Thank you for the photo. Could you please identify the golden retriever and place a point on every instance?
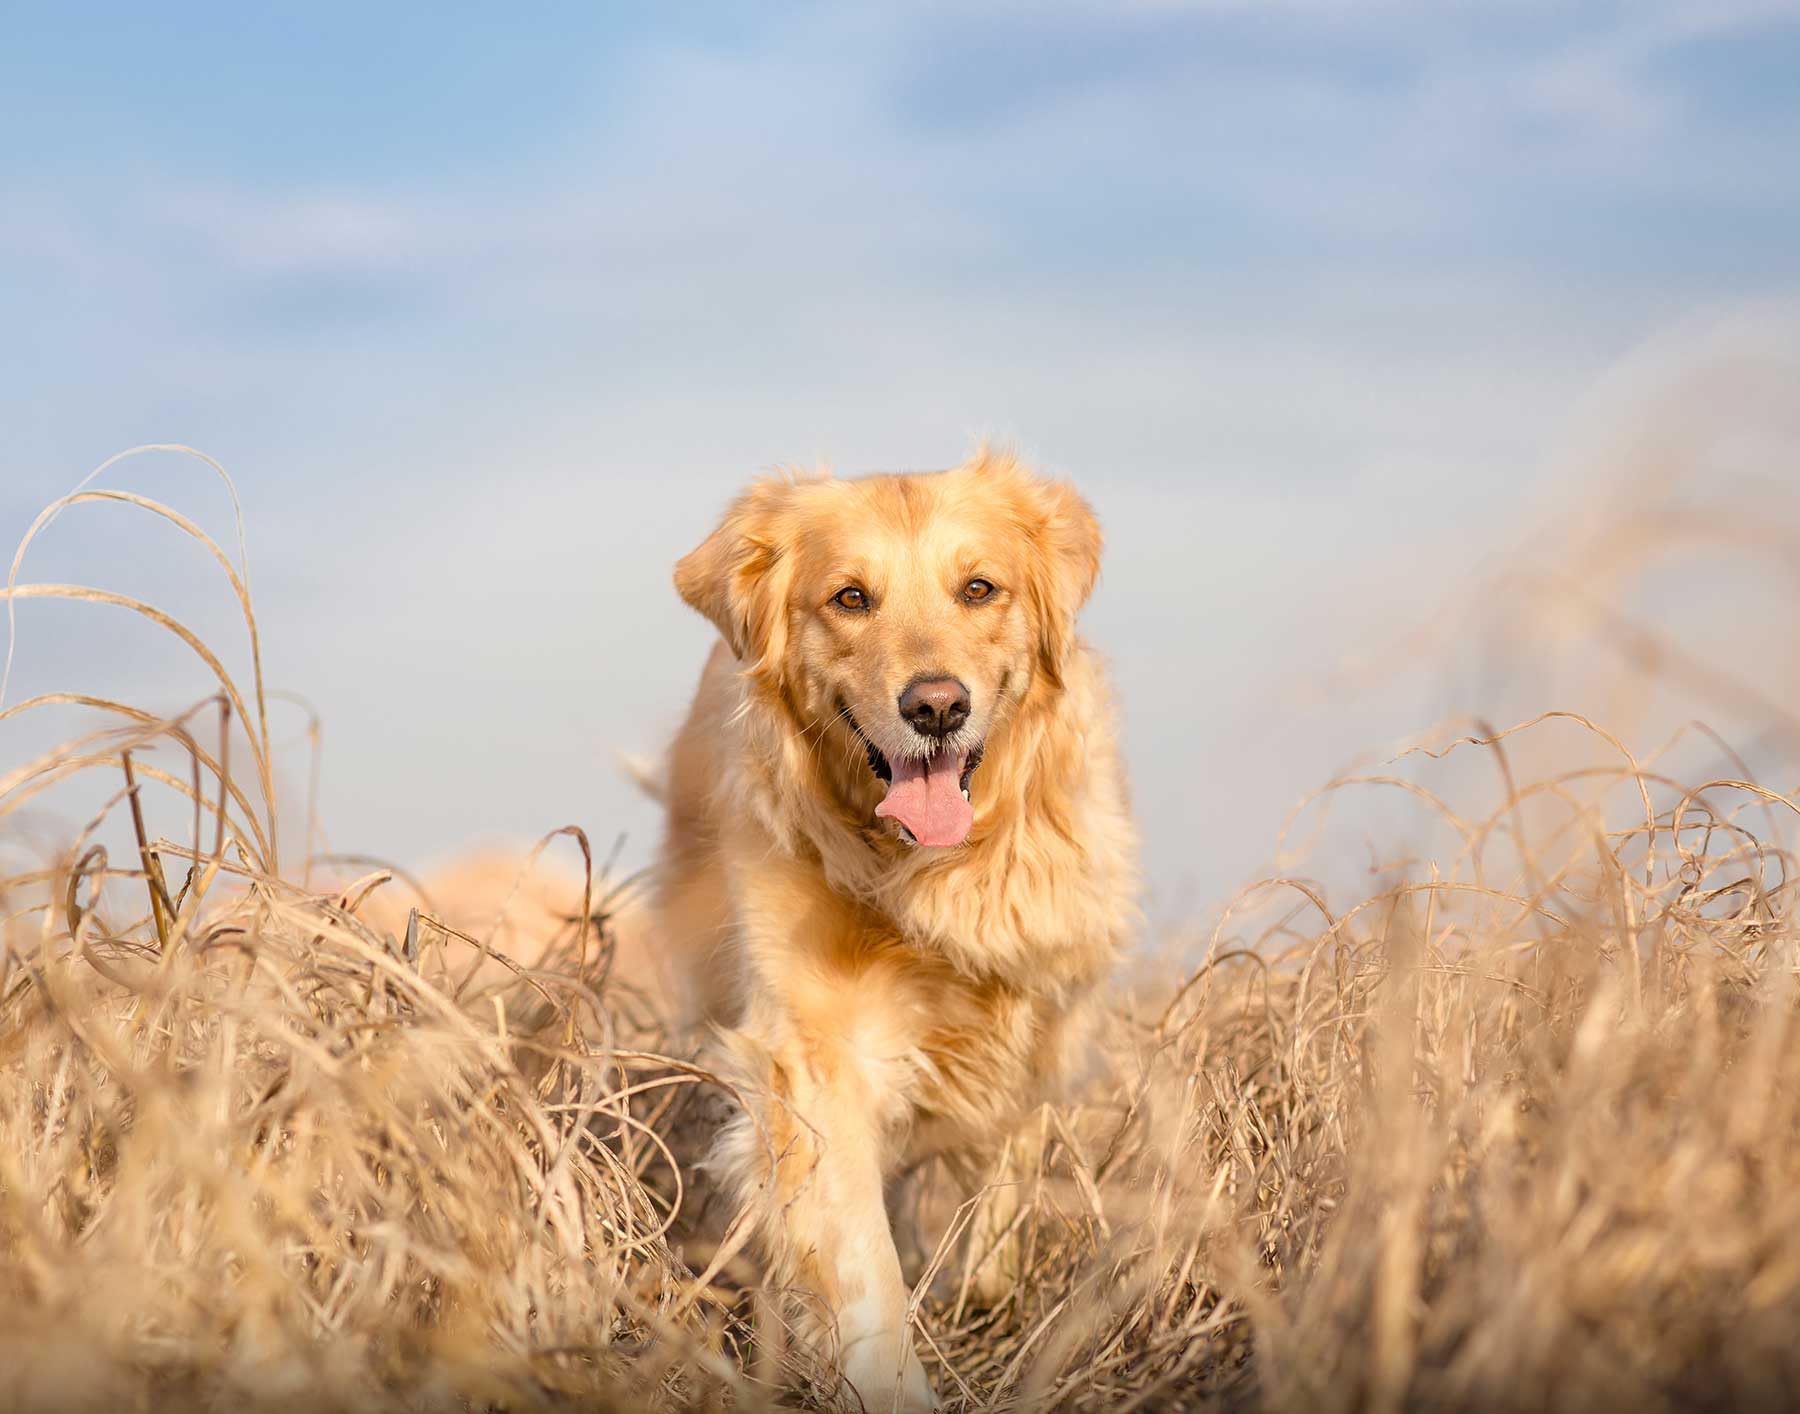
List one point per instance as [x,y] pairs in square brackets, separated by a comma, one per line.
[899,855]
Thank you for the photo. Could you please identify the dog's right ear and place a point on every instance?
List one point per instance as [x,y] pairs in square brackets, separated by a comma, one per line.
[736,575]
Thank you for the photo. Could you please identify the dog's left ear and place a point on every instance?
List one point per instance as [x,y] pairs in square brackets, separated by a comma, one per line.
[1068,542]
[735,576]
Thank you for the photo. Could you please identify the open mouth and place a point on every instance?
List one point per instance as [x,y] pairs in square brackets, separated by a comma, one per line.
[927,795]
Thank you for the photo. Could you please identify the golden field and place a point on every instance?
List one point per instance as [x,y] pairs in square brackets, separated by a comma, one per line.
[1510,1121]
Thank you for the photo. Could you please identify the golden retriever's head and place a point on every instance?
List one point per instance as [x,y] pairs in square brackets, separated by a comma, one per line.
[899,620]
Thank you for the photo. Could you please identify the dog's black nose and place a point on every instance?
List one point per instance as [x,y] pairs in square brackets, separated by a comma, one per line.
[935,706]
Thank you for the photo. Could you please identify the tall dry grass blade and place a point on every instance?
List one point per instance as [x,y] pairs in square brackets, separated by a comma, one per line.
[162,908]
[239,579]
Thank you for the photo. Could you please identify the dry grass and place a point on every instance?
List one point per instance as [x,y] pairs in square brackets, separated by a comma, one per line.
[1521,1129]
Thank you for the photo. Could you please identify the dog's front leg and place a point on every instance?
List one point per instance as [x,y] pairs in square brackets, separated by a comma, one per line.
[810,1157]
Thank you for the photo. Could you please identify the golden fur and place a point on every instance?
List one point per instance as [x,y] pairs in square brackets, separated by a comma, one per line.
[876,1002]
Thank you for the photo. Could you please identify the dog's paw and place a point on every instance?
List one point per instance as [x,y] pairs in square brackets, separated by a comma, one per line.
[869,1388]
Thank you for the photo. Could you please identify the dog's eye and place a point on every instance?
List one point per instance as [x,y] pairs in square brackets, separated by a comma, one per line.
[976,590]
[852,599]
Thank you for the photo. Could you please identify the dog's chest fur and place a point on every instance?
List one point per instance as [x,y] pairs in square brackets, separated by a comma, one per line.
[1039,897]
[968,969]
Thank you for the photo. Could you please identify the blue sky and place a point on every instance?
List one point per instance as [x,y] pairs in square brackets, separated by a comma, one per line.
[489,311]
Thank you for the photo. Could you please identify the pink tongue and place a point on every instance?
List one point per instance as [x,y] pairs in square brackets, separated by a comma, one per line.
[926,797]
